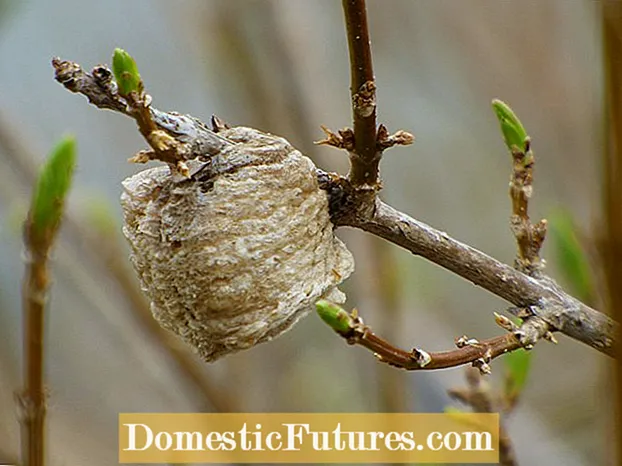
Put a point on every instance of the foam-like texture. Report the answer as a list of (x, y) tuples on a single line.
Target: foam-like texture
[(236, 257)]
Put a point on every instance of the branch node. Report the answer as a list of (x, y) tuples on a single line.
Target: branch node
[(533, 330), (464, 341), (505, 323), (344, 139), (218, 124), (483, 366), (384, 141), (142, 156), (421, 357), (364, 101)]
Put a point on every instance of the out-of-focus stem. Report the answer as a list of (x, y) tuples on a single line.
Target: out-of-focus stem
[(32, 400), (612, 183)]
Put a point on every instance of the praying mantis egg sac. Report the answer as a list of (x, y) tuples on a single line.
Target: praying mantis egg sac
[(237, 254)]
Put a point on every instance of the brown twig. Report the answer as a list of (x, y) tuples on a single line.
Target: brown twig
[(364, 143), (478, 353), (169, 140), (32, 401), (529, 237), (365, 156), (612, 187)]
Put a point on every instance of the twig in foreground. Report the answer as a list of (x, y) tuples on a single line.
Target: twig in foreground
[(479, 353)]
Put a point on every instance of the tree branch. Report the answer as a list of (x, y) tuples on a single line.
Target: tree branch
[(541, 297), (365, 156), (191, 138), (469, 350)]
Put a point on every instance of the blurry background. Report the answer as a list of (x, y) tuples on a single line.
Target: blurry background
[(282, 66)]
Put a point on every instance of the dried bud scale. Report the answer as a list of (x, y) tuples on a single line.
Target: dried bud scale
[(238, 253)]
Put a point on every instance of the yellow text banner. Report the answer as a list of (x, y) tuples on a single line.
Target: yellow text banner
[(308, 438)]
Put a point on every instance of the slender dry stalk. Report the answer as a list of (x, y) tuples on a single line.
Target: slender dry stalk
[(612, 185), (529, 236)]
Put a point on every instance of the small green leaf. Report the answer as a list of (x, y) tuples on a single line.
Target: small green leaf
[(125, 72), (52, 186), (513, 131), (517, 365), (570, 255), (334, 316)]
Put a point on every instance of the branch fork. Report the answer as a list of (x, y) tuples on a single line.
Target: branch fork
[(364, 100), (353, 202), (103, 92)]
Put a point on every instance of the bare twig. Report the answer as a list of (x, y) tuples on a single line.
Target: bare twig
[(365, 157), (478, 353), (529, 237), (541, 297), (364, 143)]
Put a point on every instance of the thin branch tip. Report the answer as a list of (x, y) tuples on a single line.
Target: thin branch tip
[(478, 353)]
